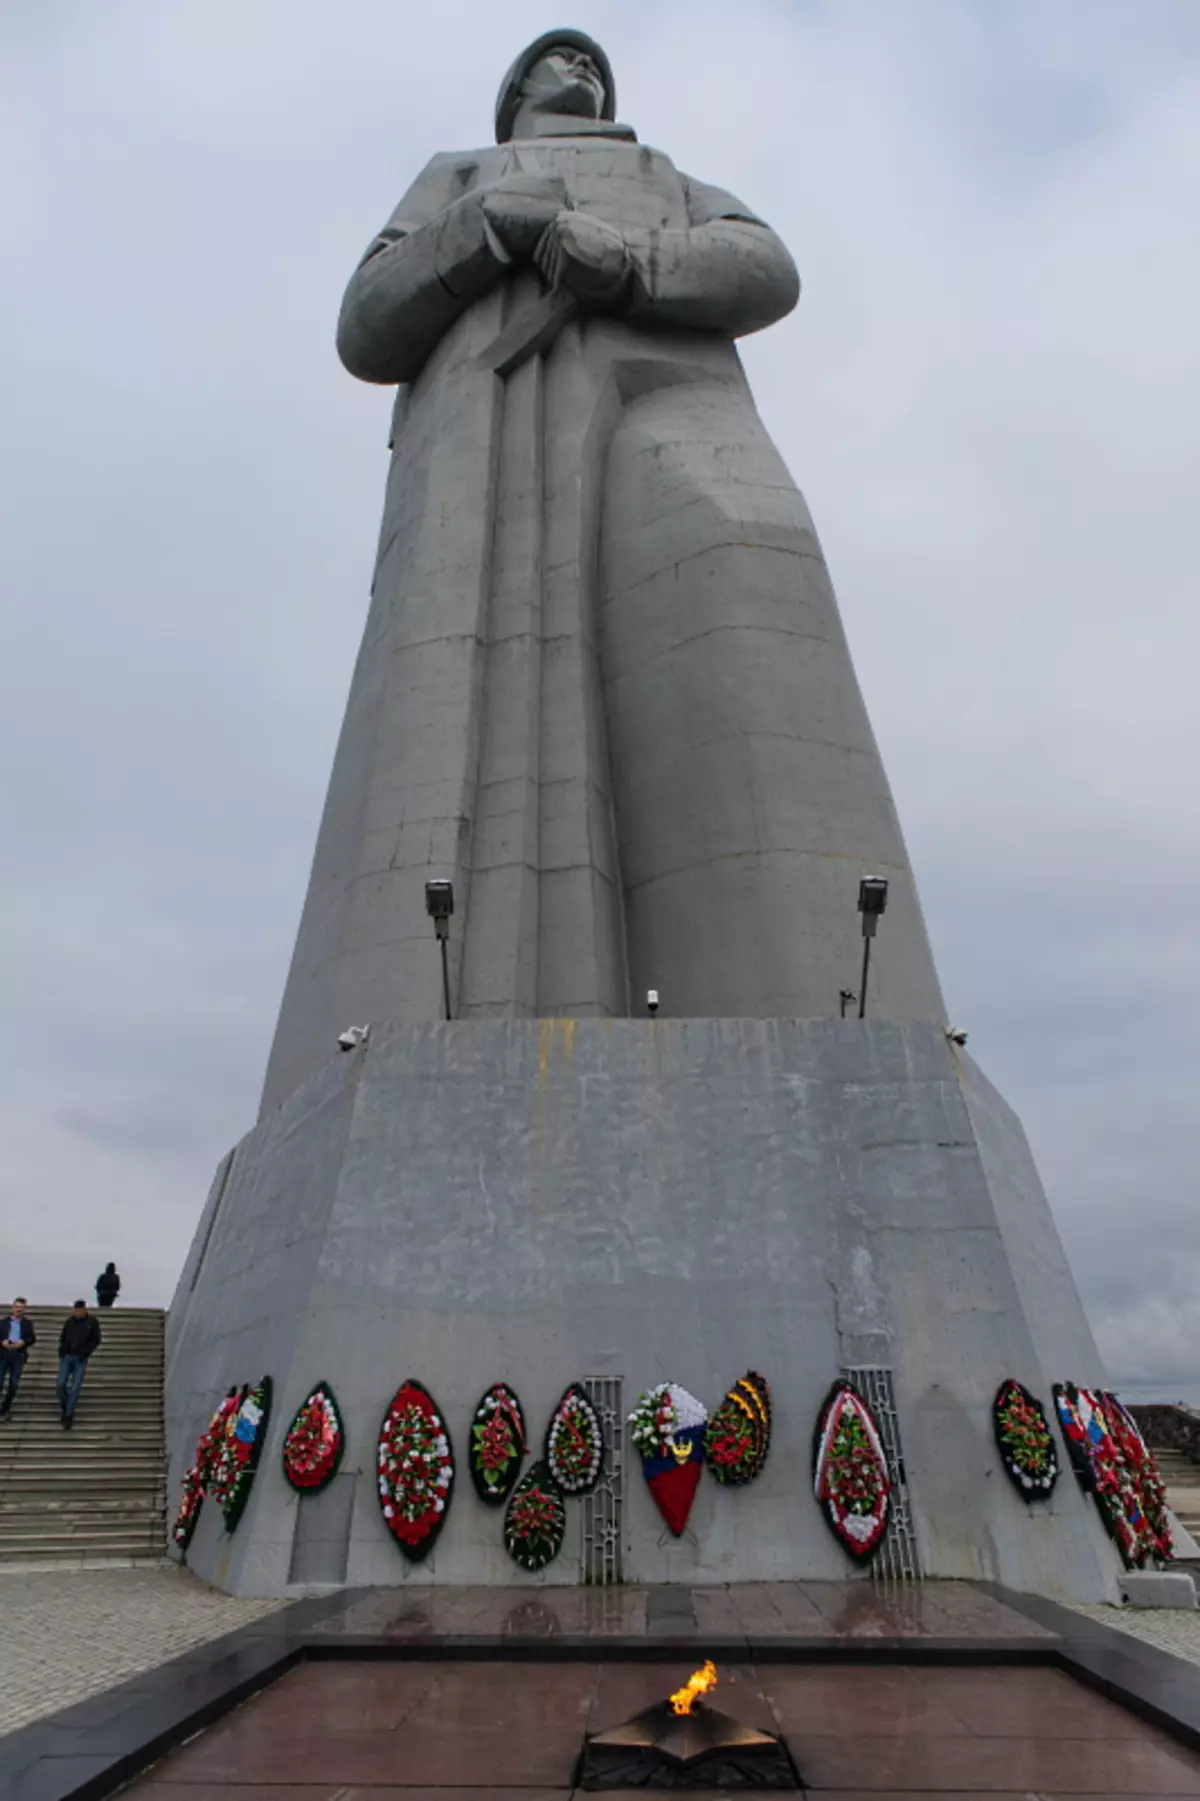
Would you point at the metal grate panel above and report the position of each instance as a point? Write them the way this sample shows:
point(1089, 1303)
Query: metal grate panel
point(898, 1558)
point(602, 1511)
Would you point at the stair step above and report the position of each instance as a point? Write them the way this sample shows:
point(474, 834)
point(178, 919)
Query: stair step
point(80, 1521)
point(33, 1411)
point(99, 1491)
point(71, 1452)
point(38, 1528)
point(145, 1472)
point(76, 1482)
point(42, 1531)
point(115, 1401)
point(134, 1544)
point(131, 1368)
point(95, 1437)
point(142, 1367)
point(114, 1387)
point(76, 1475)
point(139, 1549)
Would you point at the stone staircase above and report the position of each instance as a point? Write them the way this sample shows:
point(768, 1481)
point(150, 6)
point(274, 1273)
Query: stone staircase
point(1182, 1477)
point(97, 1492)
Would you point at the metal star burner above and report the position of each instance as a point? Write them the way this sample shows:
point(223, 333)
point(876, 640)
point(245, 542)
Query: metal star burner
point(681, 1743)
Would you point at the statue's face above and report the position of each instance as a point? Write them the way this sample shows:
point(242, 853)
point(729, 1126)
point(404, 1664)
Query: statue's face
point(565, 81)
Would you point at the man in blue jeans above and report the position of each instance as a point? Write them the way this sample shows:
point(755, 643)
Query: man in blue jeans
point(80, 1337)
point(17, 1339)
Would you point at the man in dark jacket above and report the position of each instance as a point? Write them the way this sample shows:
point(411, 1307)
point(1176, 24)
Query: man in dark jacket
point(108, 1285)
point(16, 1337)
point(79, 1338)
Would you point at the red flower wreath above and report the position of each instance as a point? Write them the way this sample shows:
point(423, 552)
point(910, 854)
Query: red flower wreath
point(1111, 1460)
point(415, 1468)
point(316, 1439)
point(197, 1477)
point(850, 1473)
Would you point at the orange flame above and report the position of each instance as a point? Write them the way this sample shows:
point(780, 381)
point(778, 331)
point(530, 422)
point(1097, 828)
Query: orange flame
point(697, 1684)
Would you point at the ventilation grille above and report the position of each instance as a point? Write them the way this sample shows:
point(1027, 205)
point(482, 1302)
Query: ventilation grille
point(603, 1509)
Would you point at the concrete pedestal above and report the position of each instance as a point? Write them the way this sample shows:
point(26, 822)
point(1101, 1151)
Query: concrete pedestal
point(536, 1202)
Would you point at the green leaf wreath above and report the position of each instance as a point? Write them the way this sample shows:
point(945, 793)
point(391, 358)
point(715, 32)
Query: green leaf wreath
point(497, 1444)
point(1024, 1441)
point(535, 1521)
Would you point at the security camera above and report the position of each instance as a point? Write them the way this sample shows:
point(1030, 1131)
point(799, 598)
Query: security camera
point(352, 1037)
point(652, 1001)
point(956, 1035)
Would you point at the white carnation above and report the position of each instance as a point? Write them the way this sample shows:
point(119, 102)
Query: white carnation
point(688, 1410)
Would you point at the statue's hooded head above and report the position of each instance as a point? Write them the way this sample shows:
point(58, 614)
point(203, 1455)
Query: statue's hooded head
point(560, 72)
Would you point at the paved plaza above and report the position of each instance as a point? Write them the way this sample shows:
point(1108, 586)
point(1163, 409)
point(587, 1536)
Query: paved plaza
point(1173, 1629)
point(72, 1633)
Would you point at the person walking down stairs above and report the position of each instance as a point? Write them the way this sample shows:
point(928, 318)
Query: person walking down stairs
point(79, 1337)
point(108, 1285)
point(18, 1339)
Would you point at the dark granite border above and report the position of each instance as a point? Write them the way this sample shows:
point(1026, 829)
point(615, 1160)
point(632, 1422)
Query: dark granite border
point(1159, 1688)
point(88, 1751)
point(986, 1653)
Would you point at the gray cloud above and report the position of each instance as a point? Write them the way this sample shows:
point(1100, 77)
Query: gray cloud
point(987, 393)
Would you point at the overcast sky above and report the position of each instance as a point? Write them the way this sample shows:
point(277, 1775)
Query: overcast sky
point(989, 394)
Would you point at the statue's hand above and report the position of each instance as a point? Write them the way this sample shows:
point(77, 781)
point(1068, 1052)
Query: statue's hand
point(583, 255)
point(520, 208)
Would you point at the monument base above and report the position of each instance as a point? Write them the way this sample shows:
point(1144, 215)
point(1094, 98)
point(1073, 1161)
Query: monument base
point(623, 1203)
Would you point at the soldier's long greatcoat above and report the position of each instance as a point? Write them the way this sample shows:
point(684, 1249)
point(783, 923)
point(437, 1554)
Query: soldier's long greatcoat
point(603, 685)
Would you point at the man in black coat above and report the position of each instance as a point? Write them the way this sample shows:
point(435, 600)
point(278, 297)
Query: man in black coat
point(79, 1338)
point(17, 1336)
point(108, 1285)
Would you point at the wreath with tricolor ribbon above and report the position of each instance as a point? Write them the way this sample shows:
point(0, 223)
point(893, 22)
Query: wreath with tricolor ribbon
point(668, 1426)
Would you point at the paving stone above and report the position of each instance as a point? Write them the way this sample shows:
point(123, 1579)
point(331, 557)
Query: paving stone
point(80, 1632)
point(1174, 1629)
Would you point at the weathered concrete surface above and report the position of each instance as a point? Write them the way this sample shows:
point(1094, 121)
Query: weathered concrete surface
point(682, 1199)
point(603, 685)
point(1157, 1588)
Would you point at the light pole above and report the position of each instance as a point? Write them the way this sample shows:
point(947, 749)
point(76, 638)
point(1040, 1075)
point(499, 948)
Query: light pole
point(872, 899)
point(439, 904)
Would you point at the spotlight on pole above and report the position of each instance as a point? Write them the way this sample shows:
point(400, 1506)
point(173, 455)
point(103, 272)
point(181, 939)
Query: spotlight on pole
point(439, 904)
point(872, 900)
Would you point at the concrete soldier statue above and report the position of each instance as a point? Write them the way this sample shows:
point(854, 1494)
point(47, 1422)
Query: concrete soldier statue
point(604, 687)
